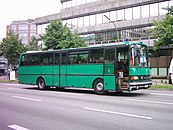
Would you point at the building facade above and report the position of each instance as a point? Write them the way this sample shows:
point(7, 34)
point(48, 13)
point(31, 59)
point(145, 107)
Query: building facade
point(111, 21)
point(3, 65)
point(24, 28)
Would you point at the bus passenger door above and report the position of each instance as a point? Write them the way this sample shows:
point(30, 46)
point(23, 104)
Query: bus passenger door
point(122, 64)
point(109, 72)
point(63, 69)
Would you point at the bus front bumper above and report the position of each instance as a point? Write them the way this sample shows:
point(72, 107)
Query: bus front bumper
point(139, 85)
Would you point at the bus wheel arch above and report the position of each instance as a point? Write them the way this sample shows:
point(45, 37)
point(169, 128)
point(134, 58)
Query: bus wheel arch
point(41, 83)
point(98, 85)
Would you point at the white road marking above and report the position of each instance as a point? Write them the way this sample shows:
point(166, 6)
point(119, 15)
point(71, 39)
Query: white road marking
point(149, 101)
point(161, 94)
point(75, 94)
point(17, 127)
point(118, 113)
point(25, 98)
point(15, 88)
point(12, 84)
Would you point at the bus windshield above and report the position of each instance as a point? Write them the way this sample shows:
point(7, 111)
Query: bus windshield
point(138, 57)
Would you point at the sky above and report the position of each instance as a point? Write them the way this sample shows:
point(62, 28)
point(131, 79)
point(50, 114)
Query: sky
point(13, 10)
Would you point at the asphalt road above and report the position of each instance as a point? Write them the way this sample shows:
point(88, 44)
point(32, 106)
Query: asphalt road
point(25, 107)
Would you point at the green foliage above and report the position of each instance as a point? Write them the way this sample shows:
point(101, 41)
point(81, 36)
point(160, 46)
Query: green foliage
point(34, 45)
point(163, 30)
point(11, 48)
point(59, 36)
point(166, 86)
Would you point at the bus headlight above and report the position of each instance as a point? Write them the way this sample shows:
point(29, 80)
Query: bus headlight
point(134, 78)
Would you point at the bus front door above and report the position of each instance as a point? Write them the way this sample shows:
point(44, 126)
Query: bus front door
point(121, 68)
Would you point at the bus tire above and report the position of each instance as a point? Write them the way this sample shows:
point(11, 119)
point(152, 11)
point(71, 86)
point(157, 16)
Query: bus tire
point(99, 87)
point(41, 84)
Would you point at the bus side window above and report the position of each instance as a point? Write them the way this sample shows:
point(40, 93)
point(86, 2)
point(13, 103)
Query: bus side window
point(109, 56)
point(56, 59)
point(72, 59)
point(29, 60)
point(23, 60)
point(64, 58)
point(46, 59)
point(36, 60)
point(80, 57)
point(83, 59)
point(96, 56)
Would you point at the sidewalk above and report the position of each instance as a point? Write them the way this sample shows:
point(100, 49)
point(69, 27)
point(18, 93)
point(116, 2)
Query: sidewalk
point(160, 82)
point(154, 81)
point(4, 77)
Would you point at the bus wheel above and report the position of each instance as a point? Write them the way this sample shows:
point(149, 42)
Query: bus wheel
point(41, 84)
point(99, 86)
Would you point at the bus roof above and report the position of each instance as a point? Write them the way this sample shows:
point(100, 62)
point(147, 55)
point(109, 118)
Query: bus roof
point(84, 48)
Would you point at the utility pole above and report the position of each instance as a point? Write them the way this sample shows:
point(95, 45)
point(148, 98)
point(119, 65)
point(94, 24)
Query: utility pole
point(114, 26)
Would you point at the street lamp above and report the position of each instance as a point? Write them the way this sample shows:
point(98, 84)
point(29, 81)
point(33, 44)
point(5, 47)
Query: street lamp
point(114, 26)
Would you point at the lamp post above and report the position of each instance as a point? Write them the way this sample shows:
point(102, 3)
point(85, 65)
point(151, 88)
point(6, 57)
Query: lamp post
point(114, 26)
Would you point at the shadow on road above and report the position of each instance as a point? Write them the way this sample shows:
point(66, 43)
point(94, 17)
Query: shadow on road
point(88, 91)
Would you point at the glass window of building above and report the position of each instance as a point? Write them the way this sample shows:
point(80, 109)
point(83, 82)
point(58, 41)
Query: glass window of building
point(86, 21)
point(64, 22)
point(154, 9)
point(113, 15)
point(78, 2)
point(128, 14)
point(98, 37)
point(89, 1)
point(136, 12)
point(73, 3)
point(98, 18)
point(32, 34)
point(23, 27)
point(87, 39)
point(170, 3)
point(92, 38)
point(33, 27)
point(106, 17)
point(63, 5)
point(120, 15)
point(80, 21)
point(145, 10)
point(146, 32)
point(94, 0)
point(74, 23)
point(163, 5)
point(83, 1)
point(39, 29)
point(13, 27)
point(92, 20)
point(44, 26)
point(162, 72)
point(68, 4)
point(69, 22)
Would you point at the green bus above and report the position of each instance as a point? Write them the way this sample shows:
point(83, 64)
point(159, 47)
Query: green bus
point(116, 67)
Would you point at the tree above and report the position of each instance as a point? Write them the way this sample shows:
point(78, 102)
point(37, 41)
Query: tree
point(11, 48)
point(59, 36)
point(34, 45)
point(163, 30)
